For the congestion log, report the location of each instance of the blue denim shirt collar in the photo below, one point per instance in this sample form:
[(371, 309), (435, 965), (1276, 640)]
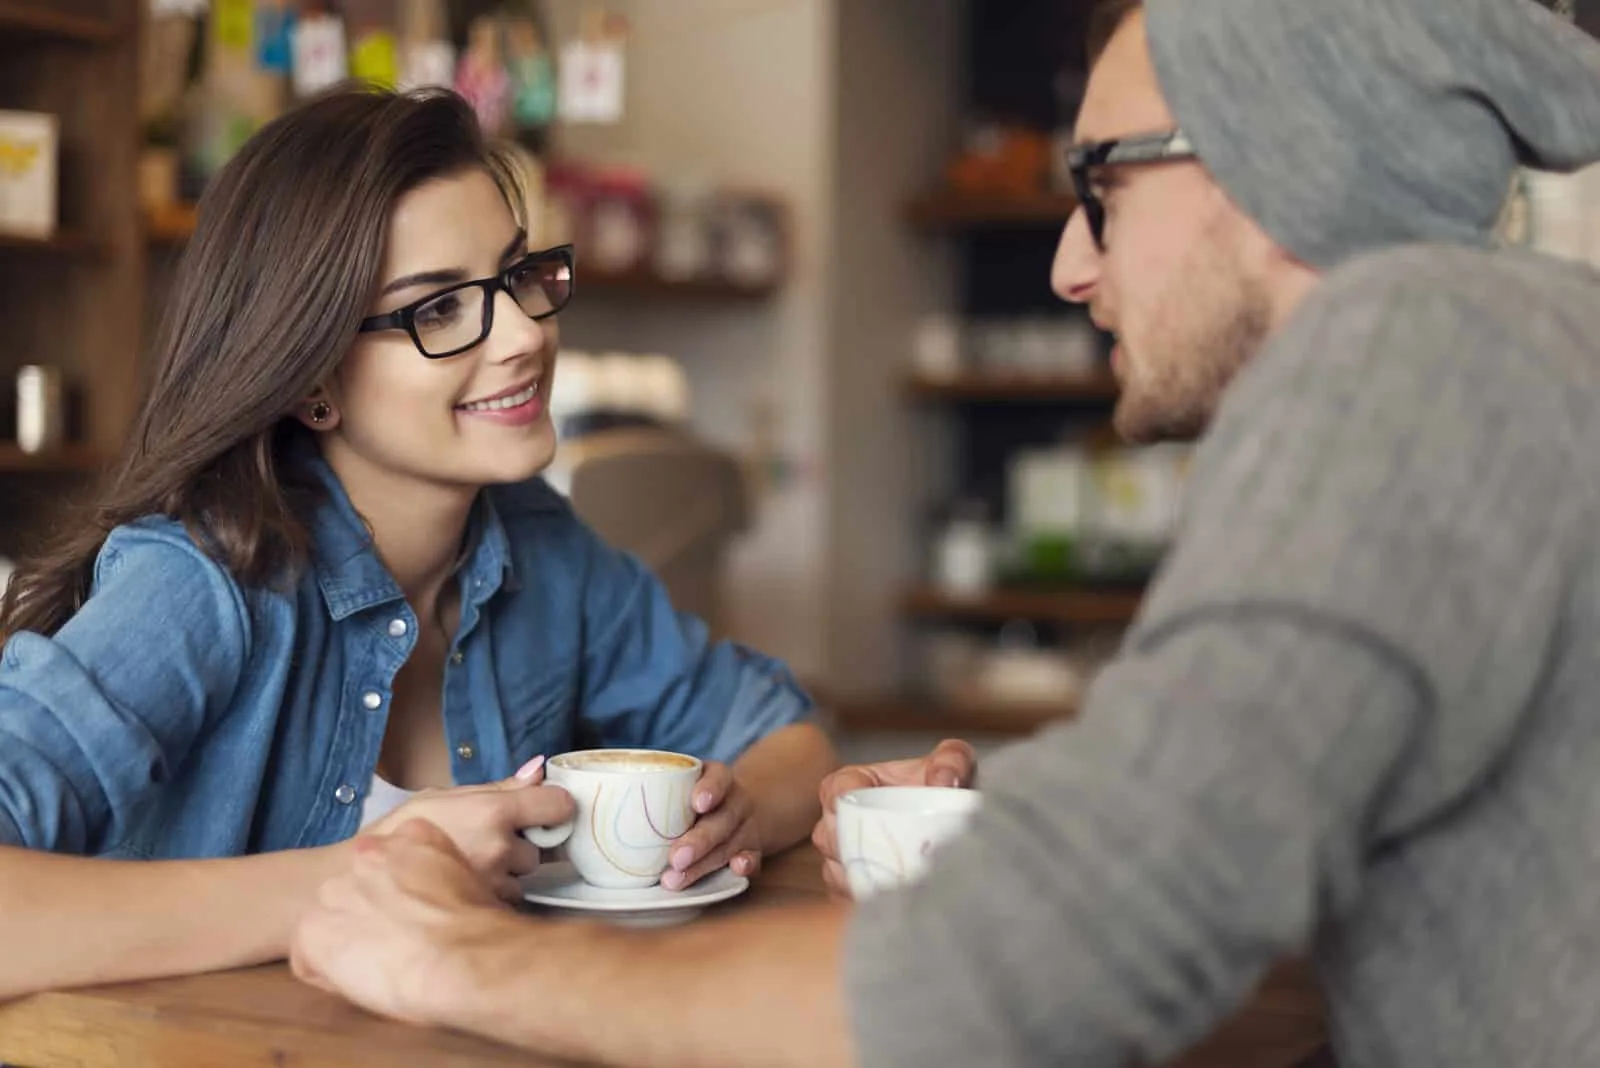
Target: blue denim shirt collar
[(353, 579)]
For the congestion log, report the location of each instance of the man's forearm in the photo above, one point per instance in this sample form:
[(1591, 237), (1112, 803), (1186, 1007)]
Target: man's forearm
[(760, 988), (74, 921), (782, 773)]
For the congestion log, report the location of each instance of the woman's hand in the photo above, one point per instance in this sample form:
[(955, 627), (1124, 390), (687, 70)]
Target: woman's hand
[(725, 834), (485, 823)]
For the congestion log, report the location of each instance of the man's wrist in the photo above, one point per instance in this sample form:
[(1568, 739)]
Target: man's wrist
[(502, 968)]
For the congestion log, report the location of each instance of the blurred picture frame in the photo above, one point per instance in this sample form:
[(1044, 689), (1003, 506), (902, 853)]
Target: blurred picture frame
[(29, 166)]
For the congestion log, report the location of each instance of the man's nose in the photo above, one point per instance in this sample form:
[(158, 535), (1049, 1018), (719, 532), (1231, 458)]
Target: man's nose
[(1076, 271)]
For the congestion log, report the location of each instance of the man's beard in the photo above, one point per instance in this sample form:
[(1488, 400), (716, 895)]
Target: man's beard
[(1203, 330)]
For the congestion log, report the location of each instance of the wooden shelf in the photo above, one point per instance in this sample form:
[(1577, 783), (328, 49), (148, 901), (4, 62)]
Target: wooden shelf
[(649, 284), (33, 20), (1082, 607), (63, 243), (912, 714), (956, 211), (173, 225), (69, 459), (988, 386)]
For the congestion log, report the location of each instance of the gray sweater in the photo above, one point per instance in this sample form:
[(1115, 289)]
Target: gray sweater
[(1359, 717)]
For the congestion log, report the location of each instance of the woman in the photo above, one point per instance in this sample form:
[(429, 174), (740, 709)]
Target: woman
[(324, 576)]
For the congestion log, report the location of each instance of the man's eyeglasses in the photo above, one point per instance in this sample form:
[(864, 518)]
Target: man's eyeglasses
[(1084, 159), (453, 320)]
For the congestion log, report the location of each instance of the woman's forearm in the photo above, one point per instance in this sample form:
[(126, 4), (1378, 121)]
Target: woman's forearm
[(782, 773), (75, 921)]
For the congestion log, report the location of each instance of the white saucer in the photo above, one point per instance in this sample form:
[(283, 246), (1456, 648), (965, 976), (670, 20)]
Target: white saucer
[(557, 885)]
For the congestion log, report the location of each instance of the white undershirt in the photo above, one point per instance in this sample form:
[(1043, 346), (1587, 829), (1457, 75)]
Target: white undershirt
[(381, 800)]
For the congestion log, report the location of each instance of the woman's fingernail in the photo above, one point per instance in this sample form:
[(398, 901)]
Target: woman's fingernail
[(702, 801), (530, 771), (672, 880), (682, 858)]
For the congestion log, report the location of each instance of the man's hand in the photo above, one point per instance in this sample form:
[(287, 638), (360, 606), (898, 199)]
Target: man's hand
[(725, 834), (485, 823), (952, 763), (399, 932)]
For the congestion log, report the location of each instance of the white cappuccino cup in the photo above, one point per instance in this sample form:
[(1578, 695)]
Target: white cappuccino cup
[(629, 807)]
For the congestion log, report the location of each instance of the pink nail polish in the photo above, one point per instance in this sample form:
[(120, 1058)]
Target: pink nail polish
[(682, 858), (530, 770)]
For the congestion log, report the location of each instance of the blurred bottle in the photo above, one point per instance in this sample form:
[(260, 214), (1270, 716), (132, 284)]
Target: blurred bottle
[(41, 408), (964, 552)]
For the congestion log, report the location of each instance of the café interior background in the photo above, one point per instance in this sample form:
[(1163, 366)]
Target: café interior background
[(814, 373)]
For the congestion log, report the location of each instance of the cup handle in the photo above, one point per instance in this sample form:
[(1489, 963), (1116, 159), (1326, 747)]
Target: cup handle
[(549, 837)]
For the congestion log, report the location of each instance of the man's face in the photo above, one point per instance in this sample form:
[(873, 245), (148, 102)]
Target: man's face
[(1180, 279)]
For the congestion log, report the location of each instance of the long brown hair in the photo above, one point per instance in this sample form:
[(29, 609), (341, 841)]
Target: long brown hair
[(272, 286)]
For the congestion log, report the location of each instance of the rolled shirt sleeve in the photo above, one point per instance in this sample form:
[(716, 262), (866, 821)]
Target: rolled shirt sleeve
[(653, 676), (97, 716)]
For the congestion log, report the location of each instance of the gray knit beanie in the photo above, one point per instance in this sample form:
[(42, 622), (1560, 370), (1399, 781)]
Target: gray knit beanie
[(1347, 125)]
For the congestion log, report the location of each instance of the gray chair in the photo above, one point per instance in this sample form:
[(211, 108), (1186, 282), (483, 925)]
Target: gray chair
[(671, 500)]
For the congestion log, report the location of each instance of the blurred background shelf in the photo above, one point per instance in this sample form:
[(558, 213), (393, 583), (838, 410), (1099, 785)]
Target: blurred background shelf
[(956, 211), (648, 284), (911, 713), (37, 20), (64, 243), (173, 225), (1080, 607), (1013, 387), (70, 459)]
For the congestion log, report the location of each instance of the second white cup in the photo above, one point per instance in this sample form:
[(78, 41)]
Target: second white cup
[(887, 833)]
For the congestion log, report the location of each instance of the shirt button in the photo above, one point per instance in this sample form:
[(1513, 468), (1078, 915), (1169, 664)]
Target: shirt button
[(465, 751), (456, 657), (372, 699), (398, 628), (345, 794)]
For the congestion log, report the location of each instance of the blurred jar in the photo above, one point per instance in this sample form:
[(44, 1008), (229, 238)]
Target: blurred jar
[(936, 347), (663, 388), (964, 553), (1020, 671), (573, 393), (620, 389), (683, 238), (1049, 494)]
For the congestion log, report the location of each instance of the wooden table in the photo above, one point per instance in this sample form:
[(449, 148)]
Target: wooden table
[(264, 1017)]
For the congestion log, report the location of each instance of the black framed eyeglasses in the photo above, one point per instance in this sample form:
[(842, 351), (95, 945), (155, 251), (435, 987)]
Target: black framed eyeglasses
[(453, 320), (1084, 159)]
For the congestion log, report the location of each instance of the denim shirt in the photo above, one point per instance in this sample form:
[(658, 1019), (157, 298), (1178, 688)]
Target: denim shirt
[(180, 714)]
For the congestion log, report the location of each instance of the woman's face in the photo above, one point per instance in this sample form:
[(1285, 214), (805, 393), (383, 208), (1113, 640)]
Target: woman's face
[(471, 419)]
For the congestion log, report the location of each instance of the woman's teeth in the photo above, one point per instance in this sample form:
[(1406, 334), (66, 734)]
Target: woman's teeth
[(516, 400)]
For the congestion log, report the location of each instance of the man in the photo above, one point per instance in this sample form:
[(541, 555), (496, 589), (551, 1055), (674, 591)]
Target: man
[(1356, 715)]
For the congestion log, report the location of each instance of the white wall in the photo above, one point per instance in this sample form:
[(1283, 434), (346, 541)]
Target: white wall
[(741, 91), (895, 120), (846, 108)]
